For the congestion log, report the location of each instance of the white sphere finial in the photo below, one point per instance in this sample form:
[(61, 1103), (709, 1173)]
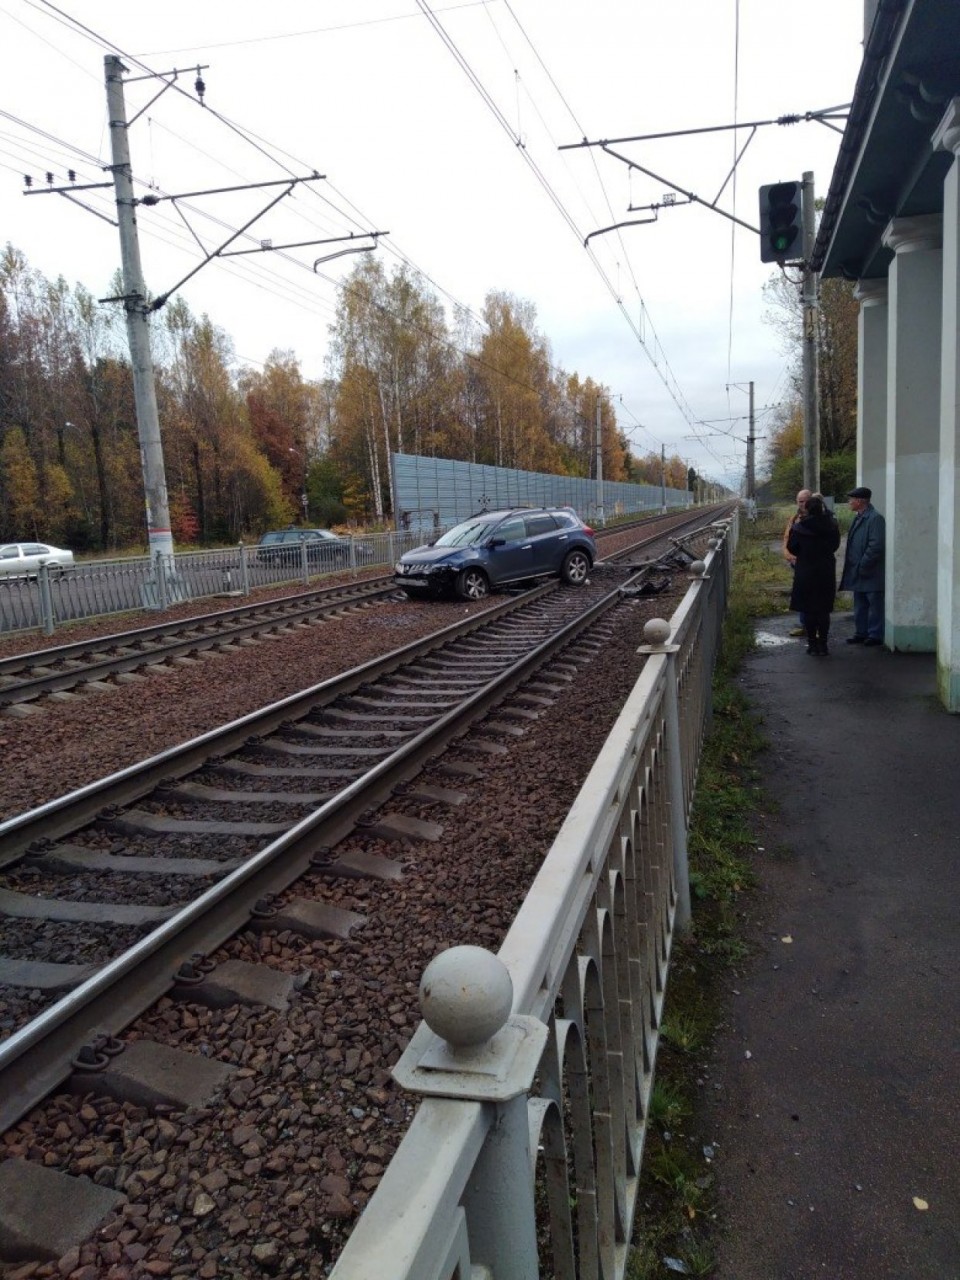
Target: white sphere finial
[(466, 995), (656, 631), (697, 569), (713, 542)]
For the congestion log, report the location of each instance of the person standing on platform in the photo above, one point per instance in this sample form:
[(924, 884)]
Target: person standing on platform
[(863, 568), (802, 496), (812, 542)]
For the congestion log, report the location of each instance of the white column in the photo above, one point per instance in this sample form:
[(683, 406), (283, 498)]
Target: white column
[(913, 432), (872, 389), (947, 138)]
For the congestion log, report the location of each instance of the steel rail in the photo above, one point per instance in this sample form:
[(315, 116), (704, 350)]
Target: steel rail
[(35, 1059)]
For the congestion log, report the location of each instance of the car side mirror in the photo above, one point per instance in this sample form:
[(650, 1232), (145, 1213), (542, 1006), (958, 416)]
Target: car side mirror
[(497, 542)]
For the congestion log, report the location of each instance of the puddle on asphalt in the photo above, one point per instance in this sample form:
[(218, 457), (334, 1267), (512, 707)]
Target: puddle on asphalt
[(767, 640)]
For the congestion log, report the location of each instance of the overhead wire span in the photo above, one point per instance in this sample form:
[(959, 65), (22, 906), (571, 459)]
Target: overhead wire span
[(673, 390)]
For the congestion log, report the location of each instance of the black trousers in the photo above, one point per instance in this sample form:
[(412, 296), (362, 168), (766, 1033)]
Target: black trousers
[(818, 625)]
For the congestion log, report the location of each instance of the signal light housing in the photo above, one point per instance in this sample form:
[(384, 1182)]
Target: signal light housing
[(781, 222)]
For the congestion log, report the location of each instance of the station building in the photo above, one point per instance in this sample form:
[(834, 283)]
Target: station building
[(891, 222)]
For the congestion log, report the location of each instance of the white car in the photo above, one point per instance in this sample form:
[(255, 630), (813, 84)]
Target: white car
[(22, 559)]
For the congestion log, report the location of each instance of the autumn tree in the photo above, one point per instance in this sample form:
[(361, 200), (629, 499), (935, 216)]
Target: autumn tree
[(837, 376), (580, 438), (392, 361), (242, 446), (657, 469), (20, 504), (288, 417), (205, 422), (100, 442)]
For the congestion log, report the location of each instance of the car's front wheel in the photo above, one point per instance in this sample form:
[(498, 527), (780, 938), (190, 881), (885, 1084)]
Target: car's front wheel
[(472, 584), (575, 568)]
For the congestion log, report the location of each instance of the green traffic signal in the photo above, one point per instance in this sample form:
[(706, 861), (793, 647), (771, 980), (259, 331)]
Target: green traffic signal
[(781, 222)]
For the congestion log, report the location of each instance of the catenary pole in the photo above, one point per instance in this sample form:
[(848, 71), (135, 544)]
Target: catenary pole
[(138, 327), (751, 455), (601, 517), (811, 400), (663, 478)]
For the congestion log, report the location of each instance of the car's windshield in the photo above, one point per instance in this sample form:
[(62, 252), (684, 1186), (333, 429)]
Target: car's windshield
[(465, 535)]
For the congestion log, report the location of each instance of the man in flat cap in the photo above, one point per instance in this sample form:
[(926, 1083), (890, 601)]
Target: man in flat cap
[(863, 568)]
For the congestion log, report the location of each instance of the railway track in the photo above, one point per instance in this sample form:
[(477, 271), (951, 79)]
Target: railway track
[(28, 677), (220, 824)]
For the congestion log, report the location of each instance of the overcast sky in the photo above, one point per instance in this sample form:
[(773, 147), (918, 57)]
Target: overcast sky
[(440, 123)]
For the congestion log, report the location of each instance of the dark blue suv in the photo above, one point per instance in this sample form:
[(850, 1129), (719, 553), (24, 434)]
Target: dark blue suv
[(498, 547)]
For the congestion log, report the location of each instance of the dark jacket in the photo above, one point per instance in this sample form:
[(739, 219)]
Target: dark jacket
[(813, 540), (863, 562)]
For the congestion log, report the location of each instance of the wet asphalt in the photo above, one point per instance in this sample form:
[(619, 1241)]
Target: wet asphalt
[(834, 1090)]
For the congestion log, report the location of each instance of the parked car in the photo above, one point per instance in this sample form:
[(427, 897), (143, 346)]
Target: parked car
[(498, 547), (326, 551), (22, 559)]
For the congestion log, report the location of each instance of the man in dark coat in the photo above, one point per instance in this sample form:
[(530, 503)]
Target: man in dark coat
[(813, 540), (863, 569)]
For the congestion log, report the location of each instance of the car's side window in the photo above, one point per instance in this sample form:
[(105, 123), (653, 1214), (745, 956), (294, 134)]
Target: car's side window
[(9, 553), (511, 530), (35, 549), (540, 524)]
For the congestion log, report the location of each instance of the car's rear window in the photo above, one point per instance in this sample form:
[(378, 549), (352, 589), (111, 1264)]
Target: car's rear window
[(540, 524), (310, 535)]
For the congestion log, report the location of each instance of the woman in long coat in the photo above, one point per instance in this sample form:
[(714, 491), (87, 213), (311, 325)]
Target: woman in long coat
[(813, 540)]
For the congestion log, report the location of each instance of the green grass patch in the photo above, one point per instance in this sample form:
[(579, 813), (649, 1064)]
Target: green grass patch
[(677, 1217)]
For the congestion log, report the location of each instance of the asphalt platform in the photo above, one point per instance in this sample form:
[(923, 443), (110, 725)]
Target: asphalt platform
[(834, 1089)]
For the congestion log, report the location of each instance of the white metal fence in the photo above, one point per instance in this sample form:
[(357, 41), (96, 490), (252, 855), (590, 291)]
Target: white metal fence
[(536, 1066), (97, 587)]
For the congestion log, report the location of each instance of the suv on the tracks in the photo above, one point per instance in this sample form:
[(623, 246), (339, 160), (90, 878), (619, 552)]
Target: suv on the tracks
[(499, 547)]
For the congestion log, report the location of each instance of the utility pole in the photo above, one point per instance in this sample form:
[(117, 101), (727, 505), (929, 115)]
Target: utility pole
[(136, 306), (663, 479), (751, 460), (601, 518), (163, 587), (811, 399)]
